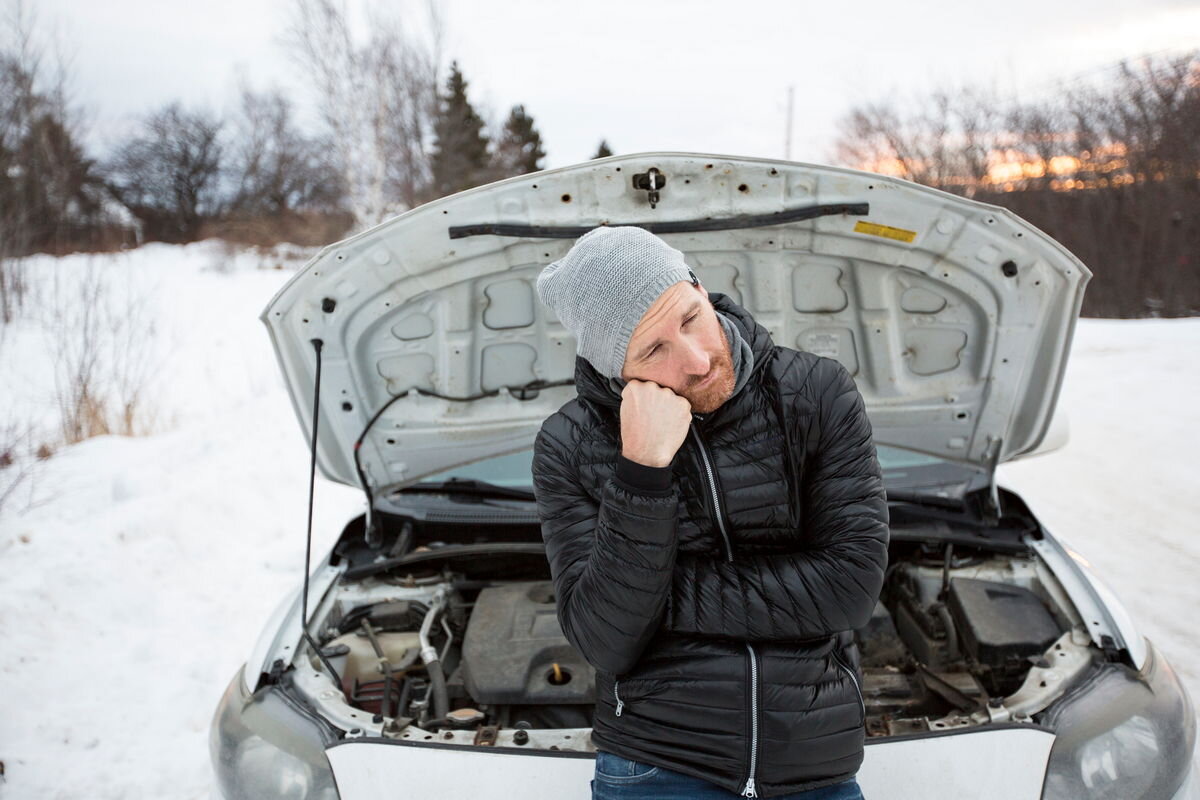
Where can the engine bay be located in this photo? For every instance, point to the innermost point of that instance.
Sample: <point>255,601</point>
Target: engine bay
<point>442,648</point>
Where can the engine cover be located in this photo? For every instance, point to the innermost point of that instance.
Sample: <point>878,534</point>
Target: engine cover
<point>1001,625</point>
<point>512,646</point>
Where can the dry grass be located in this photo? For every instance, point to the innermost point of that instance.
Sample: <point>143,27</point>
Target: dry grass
<point>17,463</point>
<point>99,329</point>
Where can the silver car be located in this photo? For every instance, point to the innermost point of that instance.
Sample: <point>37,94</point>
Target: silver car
<point>422,656</point>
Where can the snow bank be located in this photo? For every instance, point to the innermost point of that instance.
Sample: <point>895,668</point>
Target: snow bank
<point>137,572</point>
<point>137,575</point>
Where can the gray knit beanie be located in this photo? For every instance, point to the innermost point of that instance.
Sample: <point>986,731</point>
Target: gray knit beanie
<point>603,285</point>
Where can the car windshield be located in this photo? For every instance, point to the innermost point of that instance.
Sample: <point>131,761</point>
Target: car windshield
<point>516,469</point>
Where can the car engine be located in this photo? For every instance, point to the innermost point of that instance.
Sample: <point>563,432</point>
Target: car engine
<point>957,639</point>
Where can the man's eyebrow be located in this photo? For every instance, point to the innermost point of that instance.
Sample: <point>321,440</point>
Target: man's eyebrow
<point>646,348</point>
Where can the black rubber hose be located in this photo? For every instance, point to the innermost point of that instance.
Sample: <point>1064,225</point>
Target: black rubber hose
<point>405,694</point>
<point>952,652</point>
<point>437,683</point>
<point>674,226</point>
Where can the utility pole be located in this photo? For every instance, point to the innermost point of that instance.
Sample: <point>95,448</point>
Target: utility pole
<point>787,137</point>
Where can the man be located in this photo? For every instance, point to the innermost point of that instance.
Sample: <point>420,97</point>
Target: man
<point>715,521</point>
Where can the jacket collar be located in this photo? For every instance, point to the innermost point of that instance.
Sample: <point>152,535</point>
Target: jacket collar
<point>591,385</point>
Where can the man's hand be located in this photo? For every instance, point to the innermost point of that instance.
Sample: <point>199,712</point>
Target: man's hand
<point>654,423</point>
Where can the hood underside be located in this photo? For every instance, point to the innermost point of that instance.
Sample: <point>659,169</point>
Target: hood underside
<point>954,317</point>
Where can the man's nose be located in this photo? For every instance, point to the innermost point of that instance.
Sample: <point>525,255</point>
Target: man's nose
<point>696,360</point>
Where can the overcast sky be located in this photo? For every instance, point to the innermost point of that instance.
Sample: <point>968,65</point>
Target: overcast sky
<point>648,75</point>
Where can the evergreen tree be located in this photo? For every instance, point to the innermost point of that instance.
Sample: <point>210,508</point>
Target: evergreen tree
<point>519,150</point>
<point>56,184</point>
<point>460,148</point>
<point>603,151</point>
<point>50,195</point>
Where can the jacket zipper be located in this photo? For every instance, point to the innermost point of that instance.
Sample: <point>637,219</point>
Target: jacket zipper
<point>620,702</point>
<point>712,484</point>
<point>858,689</point>
<point>748,790</point>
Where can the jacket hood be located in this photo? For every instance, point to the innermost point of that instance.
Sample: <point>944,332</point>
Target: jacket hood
<point>953,317</point>
<point>591,385</point>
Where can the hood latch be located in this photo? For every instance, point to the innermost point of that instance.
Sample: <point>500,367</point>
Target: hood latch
<point>650,181</point>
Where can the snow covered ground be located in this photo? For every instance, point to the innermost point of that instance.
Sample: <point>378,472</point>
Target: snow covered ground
<point>137,571</point>
<point>137,579</point>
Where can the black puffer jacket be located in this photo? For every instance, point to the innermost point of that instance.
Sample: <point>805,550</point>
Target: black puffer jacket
<point>715,597</point>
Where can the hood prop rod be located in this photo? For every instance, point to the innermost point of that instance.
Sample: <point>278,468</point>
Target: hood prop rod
<point>312,480</point>
<point>992,501</point>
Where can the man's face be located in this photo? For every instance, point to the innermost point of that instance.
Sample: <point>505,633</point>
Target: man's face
<point>679,344</point>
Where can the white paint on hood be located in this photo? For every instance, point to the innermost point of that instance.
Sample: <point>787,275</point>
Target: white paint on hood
<point>954,317</point>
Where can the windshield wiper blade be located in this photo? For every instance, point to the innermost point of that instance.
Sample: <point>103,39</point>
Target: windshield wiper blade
<point>962,510</point>
<point>472,487</point>
<point>451,551</point>
<point>925,498</point>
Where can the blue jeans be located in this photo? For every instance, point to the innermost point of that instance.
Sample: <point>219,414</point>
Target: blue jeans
<point>619,778</point>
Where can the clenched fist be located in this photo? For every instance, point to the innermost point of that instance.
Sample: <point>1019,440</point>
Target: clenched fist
<point>654,423</point>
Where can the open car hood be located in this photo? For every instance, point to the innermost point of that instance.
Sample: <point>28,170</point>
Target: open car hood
<point>954,317</point>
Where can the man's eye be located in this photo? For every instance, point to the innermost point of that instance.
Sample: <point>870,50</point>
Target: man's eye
<point>652,351</point>
<point>689,319</point>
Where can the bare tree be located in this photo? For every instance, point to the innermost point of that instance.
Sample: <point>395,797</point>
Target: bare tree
<point>377,100</point>
<point>45,181</point>
<point>408,72</point>
<point>15,220</point>
<point>947,140</point>
<point>1036,134</point>
<point>871,137</point>
<point>1110,168</point>
<point>168,175</point>
<point>977,115</point>
<point>273,167</point>
<point>1154,112</point>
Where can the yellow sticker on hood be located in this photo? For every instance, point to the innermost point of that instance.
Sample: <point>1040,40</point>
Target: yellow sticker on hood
<point>886,231</point>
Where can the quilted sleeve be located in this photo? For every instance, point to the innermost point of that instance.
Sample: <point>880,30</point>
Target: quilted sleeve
<point>833,583</point>
<point>611,561</point>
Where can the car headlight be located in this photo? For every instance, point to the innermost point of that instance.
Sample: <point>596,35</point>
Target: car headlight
<point>1122,735</point>
<point>264,749</point>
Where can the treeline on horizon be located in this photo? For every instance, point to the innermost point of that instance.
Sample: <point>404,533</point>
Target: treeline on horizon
<point>1110,167</point>
<point>393,132</point>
